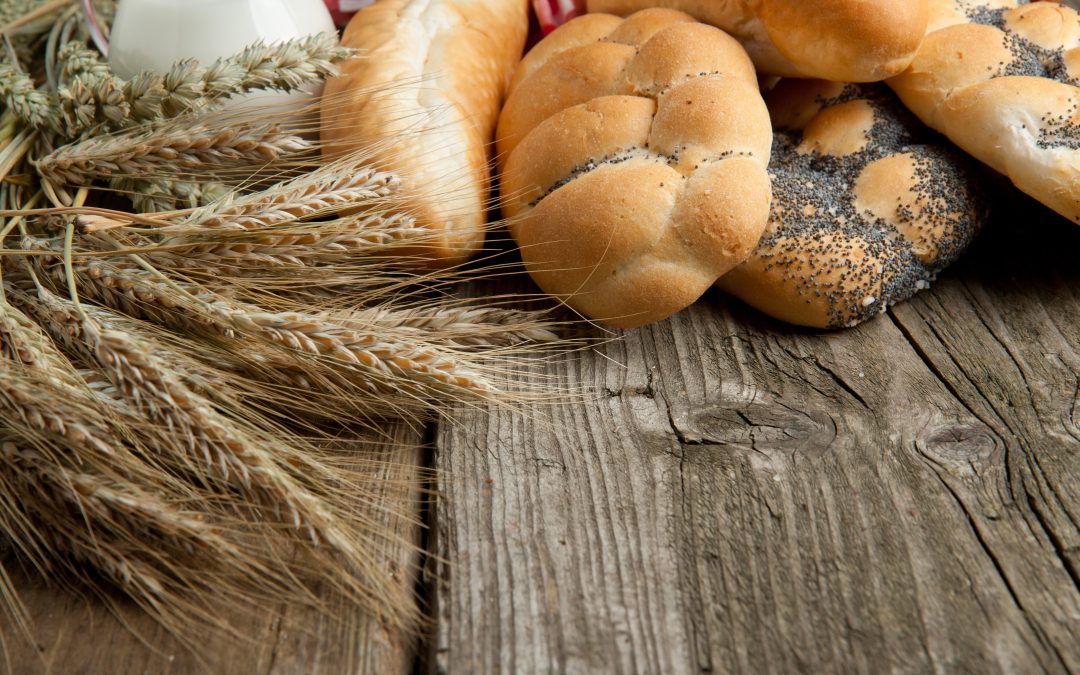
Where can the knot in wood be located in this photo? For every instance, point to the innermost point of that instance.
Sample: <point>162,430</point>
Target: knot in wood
<point>764,427</point>
<point>960,446</point>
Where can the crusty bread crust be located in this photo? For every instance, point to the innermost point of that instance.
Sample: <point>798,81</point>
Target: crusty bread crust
<point>841,40</point>
<point>1000,80</point>
<point>867,208</point>
<point>635,158</point>
<point>447,64</point>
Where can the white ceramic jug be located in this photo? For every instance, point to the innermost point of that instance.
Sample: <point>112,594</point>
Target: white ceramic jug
<point>154,34</point>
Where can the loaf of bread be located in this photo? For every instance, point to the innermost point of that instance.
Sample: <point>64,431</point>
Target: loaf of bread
<point>999,78</point>
<point>426,90</point>
<point>843,40</point>
<point>868,206</point>
<point>634,155</point>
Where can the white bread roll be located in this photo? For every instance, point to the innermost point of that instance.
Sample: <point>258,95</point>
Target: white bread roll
<point>843,40</point>
<point>449,62</point>
<point>1012,101</point>
<point>635,156</point>
<point>868,206</point>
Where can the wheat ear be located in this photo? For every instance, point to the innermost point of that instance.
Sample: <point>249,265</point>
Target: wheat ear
<point>320,193</point>
<point>122,508</point>
<point>32,407</point>
<point>465,326</point>
<point>168,147</point>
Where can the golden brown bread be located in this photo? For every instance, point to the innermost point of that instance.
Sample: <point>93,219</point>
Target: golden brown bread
<point>843,40</point>
<point>634,160</point>
<point>999,78</point>
<point>449,62</point>
<point>867,208</point>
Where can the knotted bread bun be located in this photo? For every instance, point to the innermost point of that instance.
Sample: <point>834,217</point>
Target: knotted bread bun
<point>868,206</point>
<point>999,78</point>
<point>843,40</point>
<point>634,163</point>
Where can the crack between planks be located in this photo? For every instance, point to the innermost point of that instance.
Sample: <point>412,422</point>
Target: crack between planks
<point>426,586</point>
<point>1013,488</point>
<point>1013,358</point>
<point>1055,541</point>
<point>1000,570</point>
<point>697,627</point>
<point>833,375</point>
<point>1039,516</point>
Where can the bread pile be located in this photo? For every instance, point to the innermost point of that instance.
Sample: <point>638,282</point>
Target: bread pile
<point>999,78</point>
<point>634,158</point>
<point>868,205</point>
<point>634,146</point>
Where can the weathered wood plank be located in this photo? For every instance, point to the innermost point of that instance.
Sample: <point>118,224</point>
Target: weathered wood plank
<point>1017,367</point>
<point>77,635</point>
<point>744,497</point>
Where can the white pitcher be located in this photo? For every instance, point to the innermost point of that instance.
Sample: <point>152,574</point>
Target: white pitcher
<point>154,34</point>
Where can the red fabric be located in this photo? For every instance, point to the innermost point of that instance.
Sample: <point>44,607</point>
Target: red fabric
<point>554,13</point>
<point>343,10</point>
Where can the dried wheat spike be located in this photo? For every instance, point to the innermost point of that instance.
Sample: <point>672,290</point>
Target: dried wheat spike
<point>169,147</point>
<point>466,326</point>
<point>385,357</point>
<point>32,406</point>
<point>337,242</point>
<point>107,505</point>
<point>319,193</point>
<point>22,97</point>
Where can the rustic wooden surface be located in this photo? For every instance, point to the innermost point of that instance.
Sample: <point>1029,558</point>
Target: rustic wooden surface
<point>76,635</point>
<point>738,496</point>
<point>745,498</point>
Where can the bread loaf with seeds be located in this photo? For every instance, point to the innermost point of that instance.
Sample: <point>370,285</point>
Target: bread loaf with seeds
<point>868,206</point>
<point>843,40</point>
<point>1000,79</point>
<point>634,158</point>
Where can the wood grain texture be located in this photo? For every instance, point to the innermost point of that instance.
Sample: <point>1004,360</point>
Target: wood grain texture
<point>75,635</point>
<point>744,497</point>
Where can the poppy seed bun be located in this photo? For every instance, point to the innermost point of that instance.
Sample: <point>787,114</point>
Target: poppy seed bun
<point>635,156</point>
<point>843,40</point>
<point>1012,100</point>
<point>868,206</point>
<point>430,78</point>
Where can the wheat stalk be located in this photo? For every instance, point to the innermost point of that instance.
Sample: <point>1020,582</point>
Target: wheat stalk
<point>319,193</point>
<point>36,407</point>
<point>386,358</point>
<point>110,505</point>
<point>308,245</point>
<point>169,147</point>
<point>380,361</point>
<point>466,326</point>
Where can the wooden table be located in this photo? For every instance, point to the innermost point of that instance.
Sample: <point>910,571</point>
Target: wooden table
<point>738,496</point>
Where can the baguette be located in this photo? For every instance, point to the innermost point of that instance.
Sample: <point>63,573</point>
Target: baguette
<point>449,62</point>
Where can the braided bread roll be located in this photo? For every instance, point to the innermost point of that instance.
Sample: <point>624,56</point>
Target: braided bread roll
<point>842,40</point>
<point>999,78</point>
<point>448,63</point>
<point>867,207</point>
<point>635,156</point>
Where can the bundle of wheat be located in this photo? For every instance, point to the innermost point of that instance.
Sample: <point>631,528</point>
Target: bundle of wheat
<point>150,356</point>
